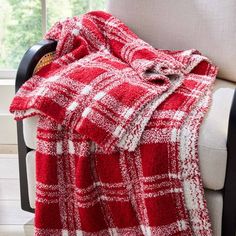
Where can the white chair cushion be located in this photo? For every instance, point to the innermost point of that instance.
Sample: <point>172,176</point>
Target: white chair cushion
<point>212,140</point>
<point>213,136</point>
<point>31,177</point>
<point>30,131</point>
<point>208,26</point>
<point>215,207</point>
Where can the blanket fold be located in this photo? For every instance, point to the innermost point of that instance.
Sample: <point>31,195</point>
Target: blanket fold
<point>113,134</point>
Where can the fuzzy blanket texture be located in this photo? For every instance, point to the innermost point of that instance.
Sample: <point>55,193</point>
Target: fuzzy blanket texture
<point>118,132</point>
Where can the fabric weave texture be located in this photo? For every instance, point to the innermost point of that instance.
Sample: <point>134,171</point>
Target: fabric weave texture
<point>117,135</point>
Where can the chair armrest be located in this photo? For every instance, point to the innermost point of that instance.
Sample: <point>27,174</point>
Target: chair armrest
<point>231,142</point>
<point>33,60</point>
<point>229,206</point>
<point>30,60</point>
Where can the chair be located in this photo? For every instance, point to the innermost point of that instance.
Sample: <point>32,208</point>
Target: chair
<point>206,25</point>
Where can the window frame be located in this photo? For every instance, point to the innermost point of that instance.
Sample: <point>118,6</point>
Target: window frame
<point>11,73</point>
<point>7,74</point>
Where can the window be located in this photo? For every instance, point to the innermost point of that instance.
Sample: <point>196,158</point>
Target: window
<point>25,22</point>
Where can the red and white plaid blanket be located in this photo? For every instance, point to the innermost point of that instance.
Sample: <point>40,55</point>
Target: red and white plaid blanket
<point>118,132</point>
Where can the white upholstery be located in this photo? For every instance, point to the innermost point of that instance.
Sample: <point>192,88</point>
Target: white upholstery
<point>208,26</point>
<point>215,207</point>
<point>31,177</point>
<point>30,130</point>
<point>214,198</point>
<point>213,136</point>
<point>212,140</point>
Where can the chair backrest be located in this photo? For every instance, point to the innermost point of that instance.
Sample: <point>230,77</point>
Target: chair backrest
<point>207,25</point>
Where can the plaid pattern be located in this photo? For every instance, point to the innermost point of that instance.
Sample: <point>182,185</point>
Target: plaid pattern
<point>117,135</point>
